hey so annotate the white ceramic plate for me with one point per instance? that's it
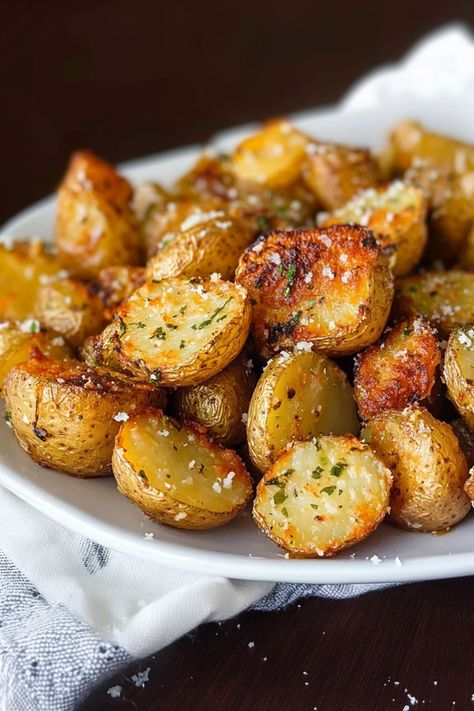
(94, 508)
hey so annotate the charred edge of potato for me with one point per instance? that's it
(169, 501)
(458, 371)
(428, 467)
(330, 287)
(66, 415)
(115, 284)
(398, 370)
(322, 496)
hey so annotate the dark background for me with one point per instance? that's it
(131, 78)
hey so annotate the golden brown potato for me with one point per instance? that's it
(336, 173)
(221, 403)
(428, 466)
(446, 299)
(322, 496)
(396, 214)
(147, 198)
(466, 440)
(398, 370)
(273, 157)
(330, 287)
(469, 485)
(458, 371)
(70, 308)
(95, 224)
(24, 267)
(66, 414)
(20, 341)
(178, 332)
(115, 284)
(299, 394)
(203, 249)
(177, 475)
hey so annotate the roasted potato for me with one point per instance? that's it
(428, 466)
(458, 371)
(446, 299)
(66, 414)
(299, 394)
(203, 249)
(273, 157)
(20, 341)
(147, 198)
(24, 267)
(396, 214)
(115, 284)
(70, 308)
(95, 224)
(221, 403)
(322, 496)
(398, 370)
(330, 287)
(466, 440)
(178, 332)
(176, 474)
(336, 173)
(469, 485)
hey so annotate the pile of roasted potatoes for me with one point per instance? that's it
(289, 324)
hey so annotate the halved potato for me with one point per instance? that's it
(322, 496)
(446, 299)
(147, 198)
(398, 370)
(466, 440)
(469, 485)
(458, 371)
(20, 341)
(272, 157)
(221, 403)
(24, 267)
(428, 466)
(330, 287)
(176, 474)
(70, 308)
(203, 249)
(396, 214)
(336, 173)
(95, 224)
(299, 394)
(115, 284)
(66, 414)
(178, 332)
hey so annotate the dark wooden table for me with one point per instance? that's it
(129, 78)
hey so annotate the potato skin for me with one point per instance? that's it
(62, 413)
(166, 506)
(331, 287)
(469, 485)
(115, 284)
(219, 403)
(458, 371)
(400, 369)
(428, 466)
(95, 225)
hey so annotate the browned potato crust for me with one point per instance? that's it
(115, 284)
(428, 466)
(66, 414)
(398, 370)
(469, 485)
(466, 440)
(331, 287)
(458, 372)
(176, 474)
(95, 225)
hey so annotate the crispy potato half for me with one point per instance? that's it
(466, 440)
(202, 249)
(469, 485)
(328, 287)
(273, 157)
(396, 214)
(115, 284)
(24, 267)
(428, 467)
(176, 474)
(70, 308)
(66, 414)
(299, 395)
(221, 403)
(178, 332)
(322, 496)
(458, 371)
(20, 341)
(95, 224)
(336, 173)
(401, 368)
(446, 299)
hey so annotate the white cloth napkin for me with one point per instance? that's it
(72, 611)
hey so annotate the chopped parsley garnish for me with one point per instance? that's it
(338, 468)
(123, 326)
(183, 309)
(328, 490)
(171, 326)
(284, 329)
(316, 473)
(279, 497)
(159, 334)
(284, 511)
(407, 331)
(314, 506)
(290, 274)
(263, 222)
(138, 324)
(208, 321)
(181, 345)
